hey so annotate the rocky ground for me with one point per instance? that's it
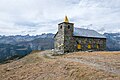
(41, 65)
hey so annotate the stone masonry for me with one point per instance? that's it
(66, 42)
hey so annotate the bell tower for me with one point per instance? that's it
(65, 30)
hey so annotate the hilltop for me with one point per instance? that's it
(41, 65)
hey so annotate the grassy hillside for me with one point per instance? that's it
(41, 65)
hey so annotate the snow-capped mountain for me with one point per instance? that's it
(19, 38)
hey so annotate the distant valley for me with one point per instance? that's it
(18, 46)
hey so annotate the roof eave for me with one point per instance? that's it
(90, 37)
(66, 23)
(55, 35)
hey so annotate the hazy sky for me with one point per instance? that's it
(42, 16)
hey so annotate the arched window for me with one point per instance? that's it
(61, 27)
(68, 26)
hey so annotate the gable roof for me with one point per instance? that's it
(87, 33)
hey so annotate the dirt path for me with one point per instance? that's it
(97, 61)
(107, 62)
(103, 66)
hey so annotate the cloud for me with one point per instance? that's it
(42, 16)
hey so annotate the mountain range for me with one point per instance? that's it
(113, 41)
(18, 45)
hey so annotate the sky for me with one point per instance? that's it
(34, 17)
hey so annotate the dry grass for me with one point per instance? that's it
(42, 66)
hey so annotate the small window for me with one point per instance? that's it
(89, 46)
(68, 26)
(61, 27)
(97, 46)
(79, 46)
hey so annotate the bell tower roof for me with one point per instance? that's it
(66, 19)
